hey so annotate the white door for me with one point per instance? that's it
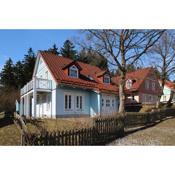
(108, 105)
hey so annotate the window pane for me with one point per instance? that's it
(65, 101)
(107, 103)
(80, 102)
(77, 101)
(102, 102)
(107, 79)
(70, 101)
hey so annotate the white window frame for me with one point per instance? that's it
(68, 98)
(102, 102)
(128, 84)
(73, 68)
(107, 77)
(153, 86)
(108, 103)
(80, 106)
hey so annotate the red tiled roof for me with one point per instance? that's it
(138, 75)
(56, 64)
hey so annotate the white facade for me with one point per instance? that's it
(166, 95)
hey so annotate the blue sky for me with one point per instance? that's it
(15, 43)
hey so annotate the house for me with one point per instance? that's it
(61, 87)
(168, 87)
(142, 87)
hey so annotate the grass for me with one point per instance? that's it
(10, 135)
(50, 125)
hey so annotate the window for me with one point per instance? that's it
(108, 103)
(164, 98)
(102, 102)
(150, 98)
(113, 103)
(68, 102)
(46, 74)
(79, 101)
(73, 71)
(153, 86)
(147, 84)
(107, 79)
(129, 84)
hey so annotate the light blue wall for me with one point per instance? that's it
(60, 91)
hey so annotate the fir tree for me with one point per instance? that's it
(29, 63)
(19, 74)
(68, 50)
(54, 50)
(7, 74)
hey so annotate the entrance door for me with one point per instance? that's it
(108, 105)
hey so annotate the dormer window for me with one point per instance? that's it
(73, 71)
(129, 84)
(107, 79)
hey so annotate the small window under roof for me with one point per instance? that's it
(73, 71)
(106, 79)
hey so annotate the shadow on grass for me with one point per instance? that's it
(129, 131)
(5, 121)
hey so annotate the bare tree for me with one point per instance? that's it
(122, 47)
(163, 54)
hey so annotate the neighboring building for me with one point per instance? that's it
(169, 86)
(63, 87)
(142, 87)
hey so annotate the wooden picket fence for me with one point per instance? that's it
(103, 131)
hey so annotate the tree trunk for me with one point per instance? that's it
(122, 76)
(170, 99)
(122, 93)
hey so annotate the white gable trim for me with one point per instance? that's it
(39, 57)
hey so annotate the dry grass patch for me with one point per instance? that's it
(59, 124)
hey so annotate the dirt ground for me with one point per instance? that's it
(158, 135)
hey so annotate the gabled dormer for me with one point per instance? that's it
(104, 77)
(73, 69)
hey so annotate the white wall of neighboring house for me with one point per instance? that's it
(166, 94)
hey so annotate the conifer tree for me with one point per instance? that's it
(7, 74)
(54, 50)
(29, 63)
(68, 50)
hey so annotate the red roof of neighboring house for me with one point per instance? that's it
(169, 84)
(137, 76)
(56, 65)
